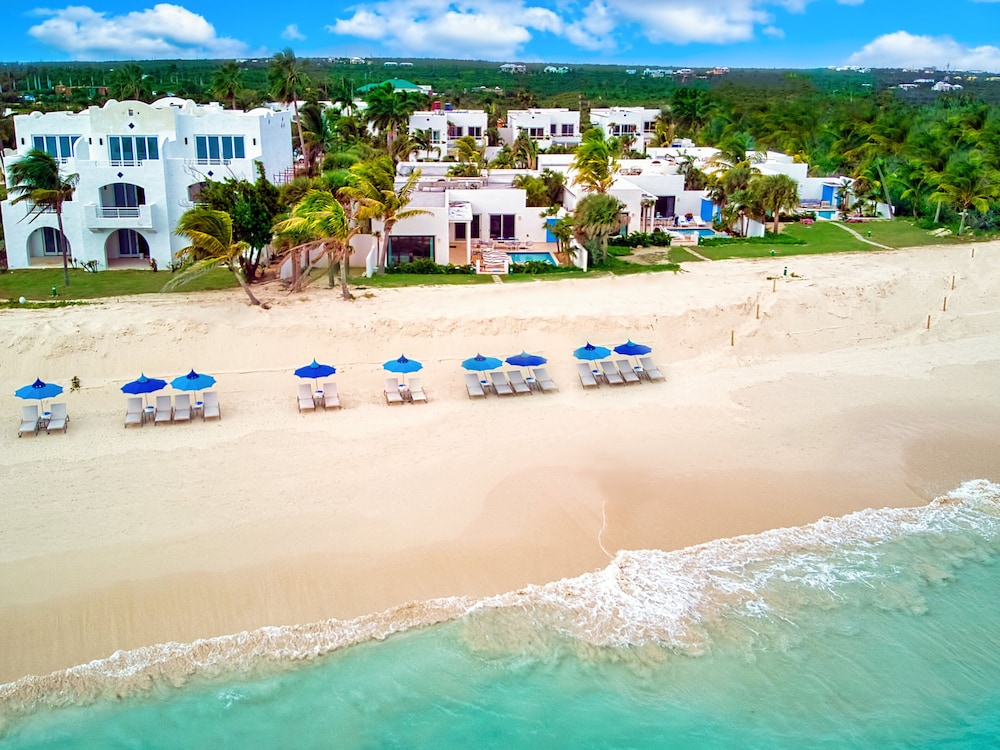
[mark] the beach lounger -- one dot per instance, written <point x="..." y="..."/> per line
<point x="473" y="386"/>
<point x="541" y="376"/>
<point x="133" y="411"/>
<point x="500" y="384"/>
<point x="517" y="382"/>
<point x="306" y="400"/>
<point x="182" y="408"/>
<point x="164" y="410"/>
<point x="417" y="390"/>
<point x="587" y="378"/>
<point x="650" y="369"/>
<point x="331" y="398"/>
<point x="59" y="418"/>
<point x="210" y="408"/>
<point x="29" y="420"/>
<point x="628" y="374"/>
<point x="611" y="373"/>
<point x="392" y="394"/>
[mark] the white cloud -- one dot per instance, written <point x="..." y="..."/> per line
<point x="684" y="21"/>
<point x="904" y="50"/>
<point x="594" y="30"/>
<point x="774" y="32"/>
<point x="292" y="32"/>
<point x="859" y="2"/>
<point x="163" y="31"/>
<point x="494" y="28"/>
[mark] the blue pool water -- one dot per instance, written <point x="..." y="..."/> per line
<point x="827" y="214"/>
<point x="874" y="631"/>
<point x="700" y="231"/>
<point x="540" y="257"/>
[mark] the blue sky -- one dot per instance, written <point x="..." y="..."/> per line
<point x="734" y="33"/>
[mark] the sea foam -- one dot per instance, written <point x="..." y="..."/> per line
<point x="648" y="602"/>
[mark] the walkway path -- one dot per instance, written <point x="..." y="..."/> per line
<point x="858" y="235"/>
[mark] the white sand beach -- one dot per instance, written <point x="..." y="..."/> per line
<point x="815" y="394"/>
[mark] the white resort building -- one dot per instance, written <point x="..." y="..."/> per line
<point x="447" y="125"/>
<point x="139" y="166"/>
<point x="638" y="122"/>
<point x="544" y="126"/>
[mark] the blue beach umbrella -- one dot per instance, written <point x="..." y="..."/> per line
<point x="526" y="360"/>
<point x="591" y="352"/>
<point x="315" y="370"/>
<point x="193" y="381"/>
<point x="632" y="349"/>
<point x="38" y="390"/>
<point x="144" y="385"/>
<point x="479" y="363"/>
<point x="402" y="365"/>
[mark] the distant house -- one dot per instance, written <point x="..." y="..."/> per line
<point x="630" y="72"/>
<point x="638" y="122"/>
<point x="399" y="84"/>
<point x="553" y="69"/>
<point x="357" y="61"/>
<point x="406" y="65"/>
<point x="945" y="86"/>
<point x="513" y="68"/>
<point x="447" y="126"/>
<point x="389" y="64"/>
<point x="544" y="126"/>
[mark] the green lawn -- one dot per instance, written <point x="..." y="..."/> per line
<point x="819" y="238"/>
<point x="902" y="232"/>
<point x="36" y="283"/>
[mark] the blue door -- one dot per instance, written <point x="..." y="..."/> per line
<point x="828" y="194"/>
<point x="707" y="209"/>
<point x="549" y="223"/>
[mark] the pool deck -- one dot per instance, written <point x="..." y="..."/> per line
<point x="456" y="251"/>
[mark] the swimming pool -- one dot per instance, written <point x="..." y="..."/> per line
<point x="826" y="214"/>
<point x="700" y="231"/>
<point x="541" y="257"/>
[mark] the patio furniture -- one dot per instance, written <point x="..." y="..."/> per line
<point x="58" y="419"/>
<point x="306" y="400"/>
<point x="211" y="407"/>
<point x="392" y="394"/>
<point x="611" y="374"/>
<point x="164" y="410"/>
<point x="587" y="378"/>
<point x="517" y="382"/>
<point x="417" y="390"/>
<point x="628" y="374"/>
<point x="182" y="408"/>
<point x="133" y="412"/>
<point x="331" y="398"/>
<point x="500" y="384"/>
<point x="650" y="369"/>
<point x="473" y="386"/>
<point x="29" y="420"/>
<point x="543" y="380"/>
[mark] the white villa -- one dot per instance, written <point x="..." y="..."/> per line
<point x="447" y="126"/>
<point x="639" y="122"/>
<point x="544" y="126"/>
<point x="139" y="166"/>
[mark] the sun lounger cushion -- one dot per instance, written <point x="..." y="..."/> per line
<point x="541" y="376"/>
<point x="210" y="408"/>
<point x="500" y="384"/>
<point x="164" y="410"/>
<point x="306" y="401"/>
<point x="29" y="420"/>
<point x="473" y="386"/>
<point x="182" y="408"/>
<point x="133" y="411"/>
<point x="517" y="382"/>
<point x="392" y="394"/>
<point x="611" y="373"/>
<point x="417" y="390"/>
<point x="331" y="398"/>
<point x="650" y="368"/>
<point x="587" y="378"/>
<point x="59" y="418"/>
<point x="628" y="374"/>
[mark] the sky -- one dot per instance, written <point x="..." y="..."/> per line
<point x="960" y="35"/>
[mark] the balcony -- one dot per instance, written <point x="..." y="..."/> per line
<point x="97" y="217"/>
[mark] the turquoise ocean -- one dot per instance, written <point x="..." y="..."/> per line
<point x="877" y="630"/>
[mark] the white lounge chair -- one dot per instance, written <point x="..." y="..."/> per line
<point x="164" y="410"/>
<point x="611" y="374"/>
<point x="500" y="384"/>
<point x="133" y="411"/>
<point x="29" y="420"/>
<point x="306" y="401"/>
<point x="331" y="398"/>
<point x="627" y="372"/>
<point x="517" y="382"/>
<point x="417" y="390"/>
<point x="541" y="376"/>
<point x="210" y="408"/>
<point x="182" y="408"/>
<point x="58" y="419"/>
<point x="650" y="369"/>
<point x="587" y="378"/>
<point x="392" y="394"/>
<point x="473" y="386"/>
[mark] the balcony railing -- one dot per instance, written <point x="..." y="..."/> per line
<point x="118" y="217"/>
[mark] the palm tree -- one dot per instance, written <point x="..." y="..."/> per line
<point x="373" y="189"/>
<point x="129" y="82"/>
<point x="389" y="110"/>
<point x="227" y="82"/>
<point x="288" y="80"/>
<point x="967" y="183"/>
<point x="775" y="193"/>
<point x="342" y="92"/>
<point x="314" y="134"/>
<point x="524" y="151"/>
<point x="595" y="162"/>
<point x="36" y="178"/>
<point x="597" y="217"/>
<point x="320" y="219"/>
<point x="470" y="155"/>
<point x="212" y="245"/>
<point x="424" y="141"/>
